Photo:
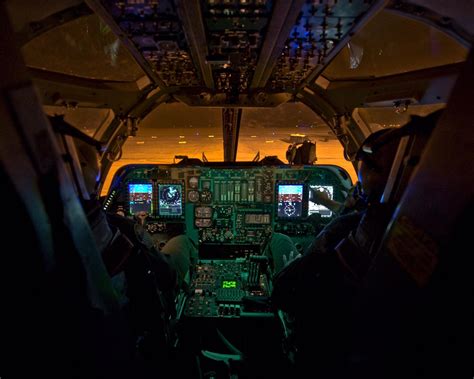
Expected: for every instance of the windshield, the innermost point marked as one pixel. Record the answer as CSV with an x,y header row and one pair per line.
x,y
269,131
173,130
87,120
386,46
386,117
176,130
86,48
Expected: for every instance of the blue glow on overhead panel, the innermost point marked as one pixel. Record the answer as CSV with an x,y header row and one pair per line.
x,y
318,29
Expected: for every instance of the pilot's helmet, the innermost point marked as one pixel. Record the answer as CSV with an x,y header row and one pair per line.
x,y
375,157
90,164
380,142
377,152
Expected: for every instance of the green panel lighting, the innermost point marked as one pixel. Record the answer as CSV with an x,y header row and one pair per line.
x,y
229,284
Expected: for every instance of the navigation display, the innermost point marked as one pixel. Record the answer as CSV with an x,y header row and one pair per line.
x,y
140,198
170,200
317,208
290,200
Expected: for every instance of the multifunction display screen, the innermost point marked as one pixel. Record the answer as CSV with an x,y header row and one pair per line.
x,y
140,198
313,207
170,200
290,200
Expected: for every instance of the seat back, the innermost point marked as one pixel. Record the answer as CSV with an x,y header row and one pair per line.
x,y
413,318
58,303
357,251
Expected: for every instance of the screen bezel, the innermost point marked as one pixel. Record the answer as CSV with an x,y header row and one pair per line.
x,y
304,201
182,188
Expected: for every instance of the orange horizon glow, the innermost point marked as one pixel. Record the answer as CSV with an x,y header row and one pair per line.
x,y
329,152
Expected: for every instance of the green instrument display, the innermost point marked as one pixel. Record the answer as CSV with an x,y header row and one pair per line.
x,y
229,284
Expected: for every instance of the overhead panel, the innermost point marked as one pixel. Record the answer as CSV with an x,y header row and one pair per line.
x,y
236,53
155,29
319,28
235,31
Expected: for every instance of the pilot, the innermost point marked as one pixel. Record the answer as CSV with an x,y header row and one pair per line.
x,y
317,277
367,192
374,161
332,268
354,201
372,177
111,231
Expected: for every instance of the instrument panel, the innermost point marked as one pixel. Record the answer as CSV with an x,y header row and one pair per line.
x,y
229,205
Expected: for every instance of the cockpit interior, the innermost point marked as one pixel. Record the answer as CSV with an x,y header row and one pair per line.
x,y
175,172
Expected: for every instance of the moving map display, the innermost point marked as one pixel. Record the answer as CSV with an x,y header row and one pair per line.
x,y
170,200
